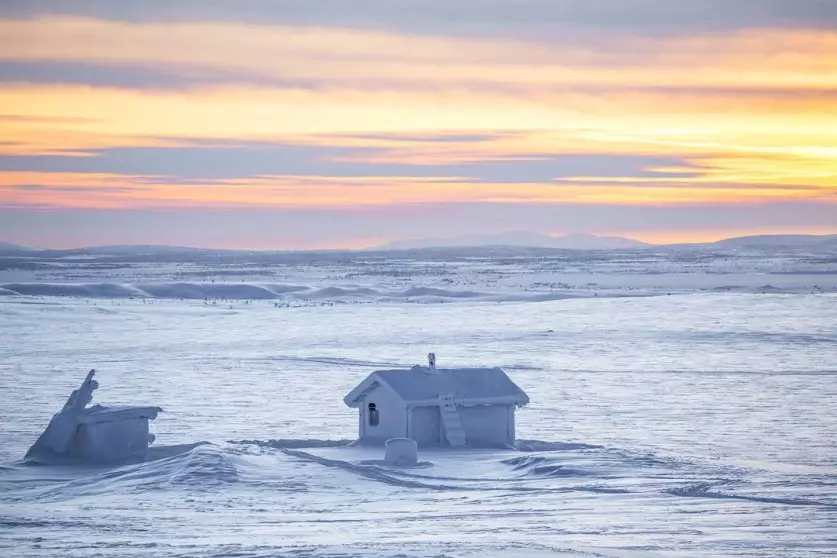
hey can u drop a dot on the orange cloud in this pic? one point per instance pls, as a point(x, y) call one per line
point(753, 111)
point(121, 191)
point(756, 58)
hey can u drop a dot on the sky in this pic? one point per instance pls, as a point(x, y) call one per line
point(301, 124)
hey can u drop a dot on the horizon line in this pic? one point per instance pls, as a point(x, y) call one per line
point(383, 246)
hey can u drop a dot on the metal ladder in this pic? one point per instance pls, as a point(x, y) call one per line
point(450, 418)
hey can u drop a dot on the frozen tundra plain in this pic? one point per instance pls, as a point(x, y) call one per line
point(684, 404)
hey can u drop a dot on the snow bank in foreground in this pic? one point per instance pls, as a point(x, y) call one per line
point(284, 443)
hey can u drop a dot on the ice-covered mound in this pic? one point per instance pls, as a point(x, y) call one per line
point(195, 467)
point(85, 290)
point(95, 433)
point(401, 452)
point(229, 291)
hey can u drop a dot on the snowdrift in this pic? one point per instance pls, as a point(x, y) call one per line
point(276, 291)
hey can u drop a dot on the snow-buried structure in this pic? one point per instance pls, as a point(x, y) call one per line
point(455, 407)
point(95, 433)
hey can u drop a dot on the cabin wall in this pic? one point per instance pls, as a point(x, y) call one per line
point(112, 441)
point(426, 426)
point(488, 425)
point(392, 417)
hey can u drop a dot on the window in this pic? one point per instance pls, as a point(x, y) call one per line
point(374, 419)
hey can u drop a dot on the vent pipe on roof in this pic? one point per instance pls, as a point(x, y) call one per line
point(431, 363)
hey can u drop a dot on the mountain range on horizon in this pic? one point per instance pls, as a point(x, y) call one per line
point(11, 247)
point(576, 241)
point(522, 239)
point(581, 241)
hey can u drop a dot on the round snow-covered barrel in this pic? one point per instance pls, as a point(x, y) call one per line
point(401, 452)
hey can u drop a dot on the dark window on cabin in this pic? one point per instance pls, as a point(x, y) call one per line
point(374, 419)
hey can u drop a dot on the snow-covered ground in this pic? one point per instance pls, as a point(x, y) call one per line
point(696, 424)
point(445, 275)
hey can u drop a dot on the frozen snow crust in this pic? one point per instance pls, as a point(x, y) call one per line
point(297, 294)
point(203, 466)
point(494, 494)
point(442, 276)
point(669, 426)
point(264, 291)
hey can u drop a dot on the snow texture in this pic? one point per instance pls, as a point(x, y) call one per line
point(685, 426)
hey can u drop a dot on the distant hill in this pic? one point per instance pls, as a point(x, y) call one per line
point(779, 241)
point(138, 250)
point(488, 244)
point(524, 239)
point(9, 247)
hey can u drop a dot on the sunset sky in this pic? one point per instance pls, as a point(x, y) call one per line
point(349, 123)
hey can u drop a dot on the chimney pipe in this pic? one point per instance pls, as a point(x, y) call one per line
point(431, 363)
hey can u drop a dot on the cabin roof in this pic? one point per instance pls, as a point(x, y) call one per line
point(417, 384)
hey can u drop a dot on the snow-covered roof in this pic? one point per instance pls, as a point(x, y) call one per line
point(468, 385)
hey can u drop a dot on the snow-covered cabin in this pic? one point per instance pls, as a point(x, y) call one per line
point(95, 433)
point(457, 407)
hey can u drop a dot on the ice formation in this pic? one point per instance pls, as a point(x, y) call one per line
point(96, 433)
point(401, 452)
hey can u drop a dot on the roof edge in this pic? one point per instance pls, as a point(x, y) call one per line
point(372, 382)
point(351, 399)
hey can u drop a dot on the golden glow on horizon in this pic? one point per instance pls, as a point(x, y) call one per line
point(750, 113)
point(663, 237)
point(125, 191)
